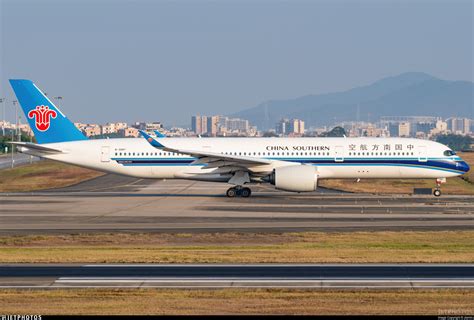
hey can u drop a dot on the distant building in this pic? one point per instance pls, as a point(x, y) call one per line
point(120, 125)
point(296, 126)
point(290, 127)
point(139, 125)
point(467, 126)
point(129, 132)
point(404, 129)
point(199, 124)
point(441, 125)
point(25, 128)
point(236, 124)
point(459, 125)
point(92, 130)
point(281, 126)
point(372, 131)
point(212, 125)
point(152, 126)
point(147, 126)
point(108, 128)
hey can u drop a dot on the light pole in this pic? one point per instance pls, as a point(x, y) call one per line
point(3, 101)
point(19, 129)
point(16, 117)
point(12, 145)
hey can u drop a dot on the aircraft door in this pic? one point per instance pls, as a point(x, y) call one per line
point(339, 154)
point(105, 154)
point(422, 154)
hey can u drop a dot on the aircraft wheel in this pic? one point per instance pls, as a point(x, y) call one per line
point(437, 193)
point(231, 192)
point(245, 192)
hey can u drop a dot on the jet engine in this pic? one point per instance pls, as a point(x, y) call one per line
point(298, 178)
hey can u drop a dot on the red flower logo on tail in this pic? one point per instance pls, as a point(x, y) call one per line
point(42, 116)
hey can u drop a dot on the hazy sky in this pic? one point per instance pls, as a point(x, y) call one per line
point(166, 60)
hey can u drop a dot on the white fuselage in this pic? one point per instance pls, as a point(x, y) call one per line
point(333, 157)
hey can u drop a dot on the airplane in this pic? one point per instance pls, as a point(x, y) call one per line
point(290, 164)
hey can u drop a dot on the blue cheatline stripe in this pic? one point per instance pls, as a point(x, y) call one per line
point(391, 165)
point(442, 164)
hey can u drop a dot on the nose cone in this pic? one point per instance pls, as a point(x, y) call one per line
point(463, 166)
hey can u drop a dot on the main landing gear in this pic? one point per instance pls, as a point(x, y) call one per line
point(239, 191)
point(437, 190)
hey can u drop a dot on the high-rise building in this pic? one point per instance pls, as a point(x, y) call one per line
point(459, 125)
point(196, 124)
point(282, 126)
point(393, 129)
point(296, 126)
point(199, 124)
point(212, 125)
point(467, 126)
point(293, 126)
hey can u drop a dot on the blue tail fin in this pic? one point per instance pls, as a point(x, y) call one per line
point(159, 134)
point(48, 123)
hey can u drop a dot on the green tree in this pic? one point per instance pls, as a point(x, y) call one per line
point(269, 134)
point(8, 137)
point(335, 132)
point(455, 141)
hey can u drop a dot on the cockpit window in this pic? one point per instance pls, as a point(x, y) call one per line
point(448, 153)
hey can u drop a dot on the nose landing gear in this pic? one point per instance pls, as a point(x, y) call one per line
point(437, 191)
point(238, 191)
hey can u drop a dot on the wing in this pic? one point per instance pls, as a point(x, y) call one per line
point(222, 163)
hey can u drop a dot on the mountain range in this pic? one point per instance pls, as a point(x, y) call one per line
point(407, 94)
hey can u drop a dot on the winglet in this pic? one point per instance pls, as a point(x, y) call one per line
point(159, 134)
point(150, 140)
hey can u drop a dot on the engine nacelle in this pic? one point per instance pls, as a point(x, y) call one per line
point(298, 178)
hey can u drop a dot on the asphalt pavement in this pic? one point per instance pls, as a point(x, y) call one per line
point(258, 275)
point(122, 204)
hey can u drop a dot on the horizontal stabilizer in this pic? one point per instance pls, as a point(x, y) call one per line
point(35, 147)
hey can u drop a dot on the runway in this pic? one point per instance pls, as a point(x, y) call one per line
point(115, 203)
point(316, 276)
